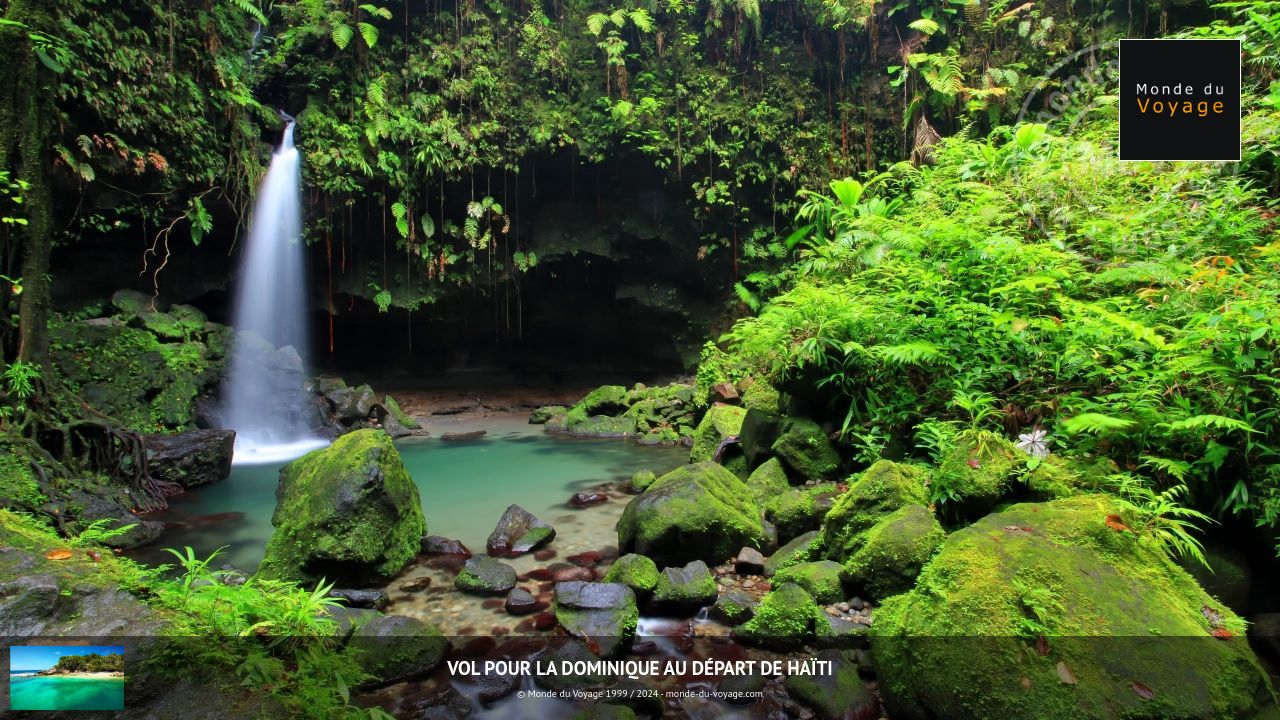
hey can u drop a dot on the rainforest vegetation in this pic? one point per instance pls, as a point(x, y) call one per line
point(901, 294)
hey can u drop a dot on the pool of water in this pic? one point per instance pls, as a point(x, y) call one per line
point(464, 486)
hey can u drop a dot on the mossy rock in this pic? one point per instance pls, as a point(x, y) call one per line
point(18, 487)
point(824, 580)
point(484, 575)
point(720, 422)
point(191, 320)
point(894, 550)
point(162, 325)
point(599, 426)
point(399, 414)
point(881, 489)
point(800, 549)
point(784, 619)
point(758, 434)
point(1127, 633)
point(541, 415)
point(1057, 477)
point(132, 302)
point(806, 450)
point(642, 479)
point(604, 400)
point(759, 395)
point(636, 572)
point(347, 512)
point(695, 512)
point(838, 694)
point(798, 510)
point(396, 648)
point(604, 615)
point(768, 481)
point(734, 607)
point(685, 589)
point(978, 472)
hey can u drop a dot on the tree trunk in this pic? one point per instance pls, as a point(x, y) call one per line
point(26, 113)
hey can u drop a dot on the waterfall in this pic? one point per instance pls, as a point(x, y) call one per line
point(264, 397)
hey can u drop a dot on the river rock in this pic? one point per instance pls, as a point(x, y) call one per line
point(93, 507)
point(894, 550)
point(604, 615)
point(682, 590)
point(352, 404)
point(518, 532)
point(394, 648)
point(695, 512)
point(783, 620)
point(824, 580)
point(367, 599)
point(570, 651)
point(440, 545)
point(541, 415)
point(801, 549)
point(636, 572)
point(1142, 644)
point(482, 574)
point(880, 490)
point(587, 499)
point(720, 422)
point(734, 607)
point(836, 695)
point(521, 602)
point(805, 450)
point(348, 512)
point(190, 459)
point(749, 562)
point(464, 436)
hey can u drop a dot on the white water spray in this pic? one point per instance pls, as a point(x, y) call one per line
point(264, 398)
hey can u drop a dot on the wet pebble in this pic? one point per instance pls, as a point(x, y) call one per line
point(416, 584)
point(581, 500)
point(586, 559)
point(544, 554)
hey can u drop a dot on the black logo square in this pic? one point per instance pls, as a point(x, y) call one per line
point(1180, 100)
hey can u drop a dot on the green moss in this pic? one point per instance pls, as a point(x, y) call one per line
point(18, 487)
point(806, 450)
point(784, 618)
point(824, 580)
point(399, 414)
point(768, 481)
point(799, 510)
point(1115, 611)
point(977, 472)
point(801, 549)
point(691, 585)
point(542, 414)
point(759, 395)
point(602, 711)
point(720, 422)
point(396, 647)
point(836, 695)
point(894, 550)
point(881, 489)
point(695, 512)
point(635, 571)
point(348, 507)
point(642, 479)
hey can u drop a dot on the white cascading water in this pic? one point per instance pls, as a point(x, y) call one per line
point(264, 398)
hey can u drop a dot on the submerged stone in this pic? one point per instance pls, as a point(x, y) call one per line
point(482, 574)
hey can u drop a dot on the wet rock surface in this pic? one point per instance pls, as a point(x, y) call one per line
point(518, 531)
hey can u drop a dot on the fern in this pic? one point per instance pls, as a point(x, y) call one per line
point(369, 33)
point(341, 35)
point(1094, 424)
point(251, 9)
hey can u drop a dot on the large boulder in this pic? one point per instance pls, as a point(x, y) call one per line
point(695, 512)
point(824, 580)
point(880, 490)
point(518, 531)
point(719, 424)
point(800, 549)
point(894, 550)
point(784, 619)
point(190, 459)
point(795, 511)
point(768, 480)
point(1059, 610)
point(685, 589)
point(393, 648)
point(484, 575)
point(348, 512)
point(352, 404)
point(980, 470)
point(604, 615)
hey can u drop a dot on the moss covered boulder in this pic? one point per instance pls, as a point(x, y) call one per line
point(394, 410)
point(720, 423)
point(603, 615)
point(695, 512)
point(1046, 610)
point(543, 413)
point(642, 479)
point(484, 575)
point(824, 580)
point(685, 589)
point(894, 550)
point(838, 694)
point(805, 450)
point(396, 648)
point(881, 489)
point(636, 572)
point(978, 471)
point(348, 513)
point(795, 511)
point(768, 481)
point(800, 549)
point(784, 619)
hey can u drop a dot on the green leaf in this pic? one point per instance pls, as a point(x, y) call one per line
point(49, 62)
point(369, 33)
point(342, 35)
point(1094, 424)
point(1208, 422)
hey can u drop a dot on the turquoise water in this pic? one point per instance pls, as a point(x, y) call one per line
point(465, 486)
point(66, 693)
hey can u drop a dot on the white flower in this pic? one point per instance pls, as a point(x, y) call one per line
point(1033, 443)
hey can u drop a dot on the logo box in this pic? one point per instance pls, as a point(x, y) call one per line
point(1180, 100)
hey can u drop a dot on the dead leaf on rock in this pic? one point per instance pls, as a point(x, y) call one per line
point(1143, 691)
point(58, 554)
point(1025, 682)
point(1222, 633)
point(1115, 523)
point(973, 463)
point(1064, 674)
